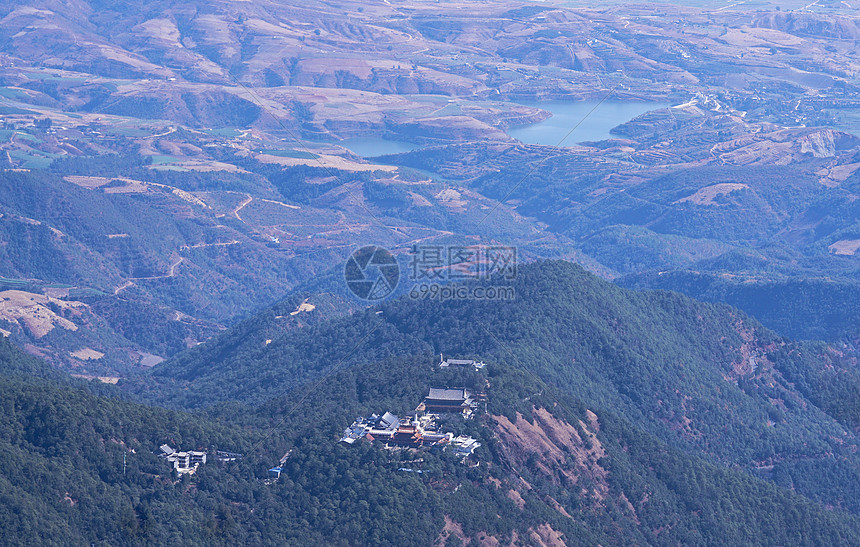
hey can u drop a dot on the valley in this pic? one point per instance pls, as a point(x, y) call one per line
point(238, 120)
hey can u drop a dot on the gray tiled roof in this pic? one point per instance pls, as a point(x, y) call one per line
point(388, 421)
point(447, 394)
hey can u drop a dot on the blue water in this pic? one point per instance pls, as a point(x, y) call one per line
point(567, 114)
point(367, 147)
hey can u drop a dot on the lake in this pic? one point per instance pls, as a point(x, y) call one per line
point(368, 147)
point(566, 114)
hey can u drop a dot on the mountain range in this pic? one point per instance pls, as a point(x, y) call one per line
point(674, 360)
point(581, 439)
point(219, 129)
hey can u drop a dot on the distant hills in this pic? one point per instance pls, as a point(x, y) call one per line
point(187, 163)
point(757, 217)
point(809, 309)
point(136, 270)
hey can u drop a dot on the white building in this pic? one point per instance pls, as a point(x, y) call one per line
point(184, 462)
point(445, 363)
point(464, 445)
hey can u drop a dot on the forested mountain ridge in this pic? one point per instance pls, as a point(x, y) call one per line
point(807, 309)
point(702, 377)
point(80, 468)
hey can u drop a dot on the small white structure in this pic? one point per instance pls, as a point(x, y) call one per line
point(223, 456)
point(464, 445)
point(185, 462)
point(445, 363)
